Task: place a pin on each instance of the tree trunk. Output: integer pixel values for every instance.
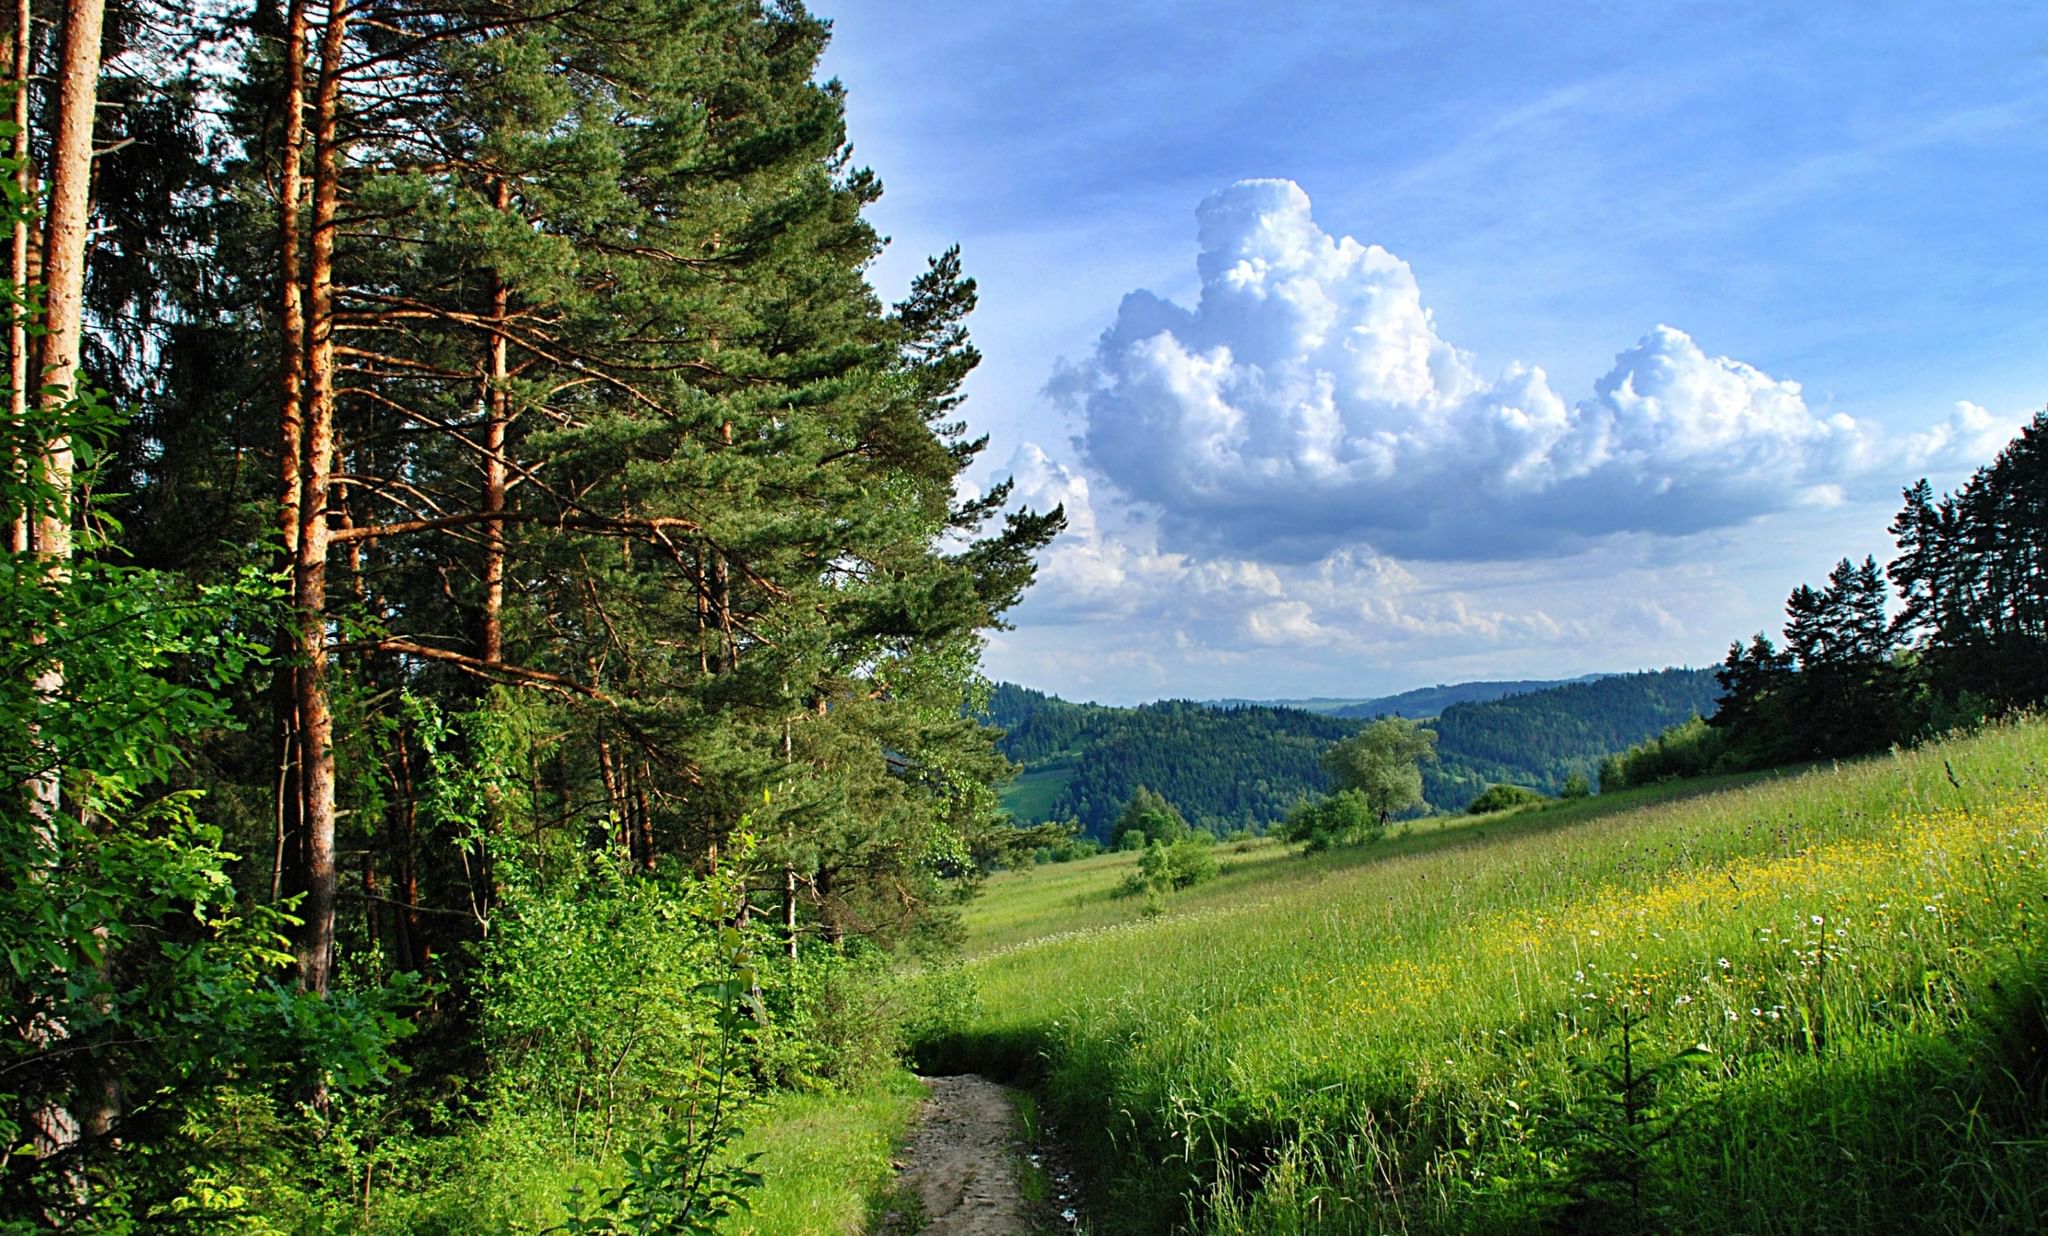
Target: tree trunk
(64, 240)
(614, 805)
(498, 405)
(405, 888)
(309, 577)
(789, 909)
(721, 574)
(721, 589)
(646, 819)
(66, 232)
(18, 265)
(788, 866)
(291, 193)
(703, 586)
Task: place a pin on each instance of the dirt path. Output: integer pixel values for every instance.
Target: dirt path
(965, 1167)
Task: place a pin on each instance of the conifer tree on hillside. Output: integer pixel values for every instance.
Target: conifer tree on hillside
(1973, 578)
(1972, 585)
(533, 343)
(1148, 818)
(598, 405)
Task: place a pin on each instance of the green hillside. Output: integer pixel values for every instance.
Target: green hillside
(1034, 793)
(1415, 705)
(1243, 767)
(1540, 738)
(1783, 1004)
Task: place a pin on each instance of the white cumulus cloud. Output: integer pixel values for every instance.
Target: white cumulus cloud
(1086, 573)
(1307, 402)
(1103, 572)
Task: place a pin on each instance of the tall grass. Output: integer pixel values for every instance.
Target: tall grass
(1424, 1037)
(825, 1159)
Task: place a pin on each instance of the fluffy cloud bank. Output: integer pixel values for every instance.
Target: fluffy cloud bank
(1350, 599)
(1114, 616)
(1307, 403)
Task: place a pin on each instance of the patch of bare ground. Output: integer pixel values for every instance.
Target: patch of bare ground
(965, 1172)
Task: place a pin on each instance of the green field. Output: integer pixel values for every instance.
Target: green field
(1018, 907)
(1802, 1004)
(1030, 797)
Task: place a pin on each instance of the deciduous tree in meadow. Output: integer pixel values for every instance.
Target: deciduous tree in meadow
(1383, 762)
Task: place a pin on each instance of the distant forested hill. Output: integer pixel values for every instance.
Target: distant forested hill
(1225, 768)
(1540, 738)
(1321, 704)
(1243, 767)
(1040, 727)
(1416, 704)
(1429, 701)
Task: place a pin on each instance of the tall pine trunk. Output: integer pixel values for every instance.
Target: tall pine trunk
(66, 232)
(498, 413)
(64, 240)
(291, 193)
(309, 577)
(22, 73)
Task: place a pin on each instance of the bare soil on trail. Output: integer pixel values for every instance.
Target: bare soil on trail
(965, 1167)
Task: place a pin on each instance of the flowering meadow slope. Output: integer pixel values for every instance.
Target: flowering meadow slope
(1807, 1004)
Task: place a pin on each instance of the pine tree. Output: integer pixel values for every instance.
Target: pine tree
(602, 408)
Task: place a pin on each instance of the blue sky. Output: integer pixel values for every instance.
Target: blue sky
(1468, 340)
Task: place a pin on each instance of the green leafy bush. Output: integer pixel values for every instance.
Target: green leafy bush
(585, 999)
(1692, 749)
(626, 1034)
(1344, 818)
(1166, 868)
(148, 1004)
(1068, 851)
(937, 1001)
(1503, 798)
(835, 1017)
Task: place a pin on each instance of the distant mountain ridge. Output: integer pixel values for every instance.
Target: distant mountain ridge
(1430, 701)
(1416, 704)
(1325, 705)
(1231, 765)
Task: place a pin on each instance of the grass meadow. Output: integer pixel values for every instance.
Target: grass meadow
(825, 1159)
(1031, 795)
(1809, 1003)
